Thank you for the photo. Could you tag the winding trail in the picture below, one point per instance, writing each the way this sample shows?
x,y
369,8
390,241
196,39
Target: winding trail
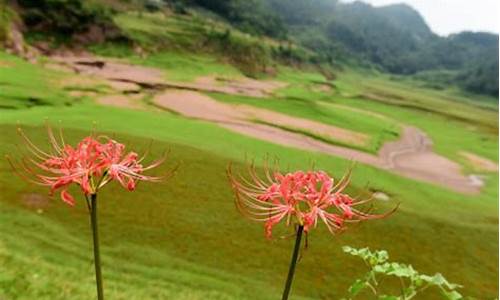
x,y
411,156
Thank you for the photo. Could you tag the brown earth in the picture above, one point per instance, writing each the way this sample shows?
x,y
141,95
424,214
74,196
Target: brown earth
x,y
410,156
153,78
241,86
121,100
196,105
110,70
6,64
124,87
80,94
36,201
320,87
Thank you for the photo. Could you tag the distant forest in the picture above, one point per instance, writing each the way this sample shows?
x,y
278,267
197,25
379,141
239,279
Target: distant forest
x,y
394,38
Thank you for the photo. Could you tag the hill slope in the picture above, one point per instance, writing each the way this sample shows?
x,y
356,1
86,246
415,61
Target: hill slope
x,y
395,38
183,239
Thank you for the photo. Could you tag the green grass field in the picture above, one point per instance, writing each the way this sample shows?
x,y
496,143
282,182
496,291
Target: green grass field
x,y
183,238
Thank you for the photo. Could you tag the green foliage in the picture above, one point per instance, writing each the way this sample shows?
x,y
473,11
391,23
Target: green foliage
x,y
63,19
248,55
481,76
251,16
324,33
412,282
394,38
157,32
7,15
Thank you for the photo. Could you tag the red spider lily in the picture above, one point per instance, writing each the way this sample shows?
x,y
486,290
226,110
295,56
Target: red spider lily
x,y
91,164
298,197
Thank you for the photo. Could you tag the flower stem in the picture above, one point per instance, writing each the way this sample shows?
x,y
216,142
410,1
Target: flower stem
x,y
97,256
293,263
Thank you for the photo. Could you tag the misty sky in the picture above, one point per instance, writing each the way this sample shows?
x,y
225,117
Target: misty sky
x,y
451,16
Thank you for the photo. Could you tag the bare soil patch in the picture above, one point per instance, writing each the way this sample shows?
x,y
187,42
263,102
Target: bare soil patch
x,y
240,86
125,87
196,105
80,94
153,78
411,156
322,87
5,64
111,70
84,82
121,100
36,201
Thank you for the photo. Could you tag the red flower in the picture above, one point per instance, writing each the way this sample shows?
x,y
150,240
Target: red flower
x,y
297,197
91,164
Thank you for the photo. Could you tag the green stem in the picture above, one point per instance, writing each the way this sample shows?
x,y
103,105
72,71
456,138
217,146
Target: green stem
x,y
293,263
97,256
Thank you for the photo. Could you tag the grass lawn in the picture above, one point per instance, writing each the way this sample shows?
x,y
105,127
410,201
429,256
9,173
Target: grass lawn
x,y
183,239
23,84
190,219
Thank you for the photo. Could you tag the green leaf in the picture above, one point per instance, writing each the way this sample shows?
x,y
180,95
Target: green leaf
x,y
453,295
364,253
347,249
386,297
438,279
357,287
386,267
418,281
426,278
401,270
382,256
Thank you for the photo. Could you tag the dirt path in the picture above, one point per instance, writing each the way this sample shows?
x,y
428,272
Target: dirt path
x,y
120,100
196,105
411,156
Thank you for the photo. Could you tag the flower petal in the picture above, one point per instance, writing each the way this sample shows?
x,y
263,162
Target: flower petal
x,y
66,197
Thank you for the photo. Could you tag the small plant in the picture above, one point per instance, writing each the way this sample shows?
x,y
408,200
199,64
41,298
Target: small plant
x,y
299,198
412,282
91,164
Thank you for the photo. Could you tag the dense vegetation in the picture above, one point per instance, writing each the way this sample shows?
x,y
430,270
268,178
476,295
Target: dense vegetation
x,y
82,21
394,38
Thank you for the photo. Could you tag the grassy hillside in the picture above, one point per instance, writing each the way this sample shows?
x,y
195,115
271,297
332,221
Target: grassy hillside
x,y
183,238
